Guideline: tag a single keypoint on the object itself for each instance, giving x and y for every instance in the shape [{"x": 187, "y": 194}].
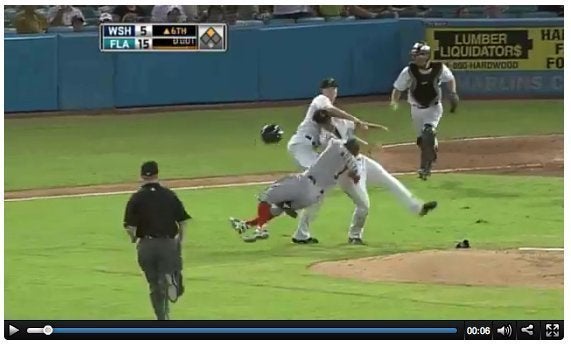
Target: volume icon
[{"x": 505, "y": 330}]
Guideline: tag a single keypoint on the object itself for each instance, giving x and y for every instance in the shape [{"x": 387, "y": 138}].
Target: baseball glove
[{"x": 454, "y": 101}]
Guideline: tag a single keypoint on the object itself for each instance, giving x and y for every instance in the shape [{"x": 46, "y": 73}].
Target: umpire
[{"x": 156, "y": 218}]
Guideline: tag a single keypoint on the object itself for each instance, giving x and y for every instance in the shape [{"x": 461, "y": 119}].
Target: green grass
[
  {"x": 107, "y": 149},
  {"x": 70, "y": 259}
]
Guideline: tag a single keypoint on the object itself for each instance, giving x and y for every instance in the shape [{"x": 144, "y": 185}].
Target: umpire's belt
[
  {"x": 423, "y": 107},
  {"x": 152, "y": 237}
]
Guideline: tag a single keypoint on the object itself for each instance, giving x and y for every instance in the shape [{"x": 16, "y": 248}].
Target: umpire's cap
[
  {"x": 149, "y": 168},
  {"x": 328, "y": 83}
]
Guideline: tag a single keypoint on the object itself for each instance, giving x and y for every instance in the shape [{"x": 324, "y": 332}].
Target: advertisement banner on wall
[{"x": 498, "y": 49}]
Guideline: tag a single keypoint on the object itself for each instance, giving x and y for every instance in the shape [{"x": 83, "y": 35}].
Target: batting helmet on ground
[{"x": 272, "y": 133}]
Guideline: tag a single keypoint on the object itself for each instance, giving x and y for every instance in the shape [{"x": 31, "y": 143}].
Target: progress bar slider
[{"x": 47, "y": 330}]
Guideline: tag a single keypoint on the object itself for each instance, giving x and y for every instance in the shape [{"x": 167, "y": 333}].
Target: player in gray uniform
[
  {"x": 295, "y": 192},
  {"x": 371, "y": 173}
]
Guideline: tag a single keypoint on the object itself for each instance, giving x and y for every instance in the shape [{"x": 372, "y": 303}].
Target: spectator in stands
[
  {"x": 410, "y": 11},
  {"x": 62, "y": 15},
  {"x": 216, "y": 14},
  {"x": 160, "y": 13},
  {"x": 551, "y": 8},
  {"x": 192, "y": 13},
  {"x": 292, "y": 11},
  {"x": 251, "y": 12},
  {"x": 122, "y": 10},
  {"x": 130, "y": 17},
  {"x": 175, "y": 15},
  {"x": 343, "y": 11},
  {"x": 462, "y": 12},
  {"x": 28, "y": 21},
  {"x": 494, "y": 11},
  {"x": 105, "y": 17},
  {"x": 77, "y": 23}
]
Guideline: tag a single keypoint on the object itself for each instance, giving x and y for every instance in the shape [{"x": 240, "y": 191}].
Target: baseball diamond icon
[
  {"x": 552, "y": 330},
  {"x": 211, "y": 38}
]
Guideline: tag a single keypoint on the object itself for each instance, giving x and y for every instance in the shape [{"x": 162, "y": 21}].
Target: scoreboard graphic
[{"x": 163, "y": 37}]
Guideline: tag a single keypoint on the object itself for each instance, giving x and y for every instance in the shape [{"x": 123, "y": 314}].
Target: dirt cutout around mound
[
  {"x": 511, "y": 268},
  {"x": 536, "y": 155}
]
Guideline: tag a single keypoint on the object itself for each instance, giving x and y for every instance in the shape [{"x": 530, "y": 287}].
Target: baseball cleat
[
  {"x": 427, "y": 207},
  {"x": 356, "y": 241},
  {"x": 172, "y": 288},
  {"x": 261, "y": 234},
  {"x": 310, "y": 240},
  {"x": 423, "y": 174},
  {"x": 238, "y": 225}
]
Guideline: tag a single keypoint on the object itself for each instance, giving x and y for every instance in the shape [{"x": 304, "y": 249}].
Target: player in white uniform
[
  {"x": 371, "y": 174},
  {"x": 296, "y": 192},
  {"x": 302, "y": 145},
  {"x": 422, "y": 78}
]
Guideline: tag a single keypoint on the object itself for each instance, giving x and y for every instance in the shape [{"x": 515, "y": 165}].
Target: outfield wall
[{"x": 66, "y": 71}]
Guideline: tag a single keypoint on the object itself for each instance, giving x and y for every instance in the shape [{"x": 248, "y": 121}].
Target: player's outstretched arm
[
  {"x": 376, "y": 126},
  {"x": 339, "y": 113}
]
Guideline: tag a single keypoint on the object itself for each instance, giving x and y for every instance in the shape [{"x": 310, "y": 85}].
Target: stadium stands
[{"x": 264, "y": 17}]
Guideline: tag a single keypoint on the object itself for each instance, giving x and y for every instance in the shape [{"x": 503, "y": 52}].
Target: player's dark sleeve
[
  {"x": 131, "y": 217},
  {"x": 180, "y": 212}
]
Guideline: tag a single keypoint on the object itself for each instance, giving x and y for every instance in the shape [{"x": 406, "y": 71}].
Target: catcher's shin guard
[{"x": 427, "y": 148}]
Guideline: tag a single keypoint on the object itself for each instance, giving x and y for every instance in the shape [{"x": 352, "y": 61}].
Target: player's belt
[{"x": 423, "y": 107}]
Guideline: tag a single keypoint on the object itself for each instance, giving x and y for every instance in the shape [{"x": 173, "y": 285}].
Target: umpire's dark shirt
[{"x": 155, "y": 211}]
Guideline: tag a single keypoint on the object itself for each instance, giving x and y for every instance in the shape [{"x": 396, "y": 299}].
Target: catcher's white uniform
[{"x": 422, "y": 115}]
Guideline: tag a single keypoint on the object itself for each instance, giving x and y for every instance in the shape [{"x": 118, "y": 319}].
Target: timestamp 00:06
[{"x": 478, "y": 330}]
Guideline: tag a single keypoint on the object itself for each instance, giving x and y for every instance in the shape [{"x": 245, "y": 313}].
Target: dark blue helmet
[{"x": 272, "y": 133}]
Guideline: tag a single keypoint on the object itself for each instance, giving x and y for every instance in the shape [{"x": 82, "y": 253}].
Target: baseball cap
[
  {"x": 328, "y": 83},
  {"x": 149, "y": 168},
  {"x": 105, "y": 17}
]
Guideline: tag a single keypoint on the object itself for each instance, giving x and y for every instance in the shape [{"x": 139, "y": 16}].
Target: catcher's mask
[
  {"x": 420, "y": 52},
  {"x": 272, "y": 133}
]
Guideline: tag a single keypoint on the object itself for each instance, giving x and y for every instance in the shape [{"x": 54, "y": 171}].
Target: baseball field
[{"x": 500, "y": 186}]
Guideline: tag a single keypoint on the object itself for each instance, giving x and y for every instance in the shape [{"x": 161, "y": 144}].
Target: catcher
[{"x": 423, "y": 78}]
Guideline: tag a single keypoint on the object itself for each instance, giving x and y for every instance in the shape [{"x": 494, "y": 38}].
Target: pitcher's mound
[{"x": 458, "y": 267}]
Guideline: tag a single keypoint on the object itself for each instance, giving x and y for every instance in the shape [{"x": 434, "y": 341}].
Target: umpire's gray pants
[{"x": 157, "y": 258}]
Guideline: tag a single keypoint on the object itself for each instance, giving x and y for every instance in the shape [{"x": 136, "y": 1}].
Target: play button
[{"x": 12, "y": 330}]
